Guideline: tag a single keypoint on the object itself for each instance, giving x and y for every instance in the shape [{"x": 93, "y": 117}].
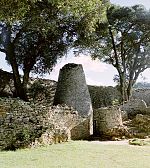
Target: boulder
[{"x": 134, "y": 107}]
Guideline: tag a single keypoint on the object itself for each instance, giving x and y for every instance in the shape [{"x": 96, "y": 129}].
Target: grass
[{"x": 78, "y": 154}]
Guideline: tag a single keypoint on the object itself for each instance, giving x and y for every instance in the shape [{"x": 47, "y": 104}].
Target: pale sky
[{"x": 96, "y": 72}]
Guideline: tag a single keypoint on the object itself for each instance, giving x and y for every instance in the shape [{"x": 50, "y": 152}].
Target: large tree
[
  {"x": 35, "y": 33},
  {"x": 34, "y": 43},
  {"x": 124, "y": 42}
]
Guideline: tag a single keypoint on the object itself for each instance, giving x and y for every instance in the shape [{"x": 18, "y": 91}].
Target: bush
[
  {"x": 103, "y": 96},
  {"x": 38, "y": 91}
]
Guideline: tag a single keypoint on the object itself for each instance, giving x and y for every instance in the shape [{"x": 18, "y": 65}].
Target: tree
[
  {"x": 124, "y": 42},
  {"x": 35, "y": 33},
  {"x": 30, "y": 45}
]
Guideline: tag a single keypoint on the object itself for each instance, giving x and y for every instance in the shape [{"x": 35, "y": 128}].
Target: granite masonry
[
  {"x": 39, "y": 122},
  {"x": 23, "y": 124},
  {"x": 73, "y": 91},
  {"x": 105, "y": 119}
]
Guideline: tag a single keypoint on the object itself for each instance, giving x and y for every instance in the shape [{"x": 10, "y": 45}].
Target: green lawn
[{"x": 78, "y": 154}]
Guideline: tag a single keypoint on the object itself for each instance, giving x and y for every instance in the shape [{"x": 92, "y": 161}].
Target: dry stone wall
[
  {"x": 105, "y": 119},
  {"x": 23, "y": 124},
  {"x": 104, "y": 96},
  {"x": 100, "y": 96},
  {"x": 79, "y": 131},
  {"x": 73, "y": 91}
]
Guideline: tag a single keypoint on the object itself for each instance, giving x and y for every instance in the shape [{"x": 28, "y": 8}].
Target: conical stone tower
[{"x": 73, "y": 91}]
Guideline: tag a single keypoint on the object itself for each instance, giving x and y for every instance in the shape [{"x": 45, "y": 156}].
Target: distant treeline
[{"x": 143, "y": 85}]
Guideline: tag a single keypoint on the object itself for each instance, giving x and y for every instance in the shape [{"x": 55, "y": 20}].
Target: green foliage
[
  {"x": 38, "y": 32},
  {"x": 139, "y": 142},
  {"x": 123, "y": 41},
  {"x": 38, "y": 41},
  {"x": 37, "y": 88},
  {"x": 104, "y": 96},
  {"x": 13, "y": 10},
  {"x": 21, "y": 138}
]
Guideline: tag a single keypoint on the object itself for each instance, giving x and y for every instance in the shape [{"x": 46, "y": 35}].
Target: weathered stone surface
[
  {"x": 42, "y": 91},
  {"x": 106, "y": 119},
  {"x": 135, "y": 106},
  {"x": 124, "y": 115},
  {"x": 73, "y": 91},
  {"x": 24, "y": 124},
  {"x": 142, "y": 94},
  {"x": 6, "y": 83},
  {"x": 80, "y": 131},
  {"x": 118, "y": 133}
]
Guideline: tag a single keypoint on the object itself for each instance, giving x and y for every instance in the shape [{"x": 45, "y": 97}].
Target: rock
[
  {"x": 124, "y": 115},
  {"x": 139, "y": 126},
  {"x": 133, "y": 107},
  {"x": 142, "y": 94}
]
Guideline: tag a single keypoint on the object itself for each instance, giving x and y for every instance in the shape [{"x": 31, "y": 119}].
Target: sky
[{"x": 96, "y": 72}]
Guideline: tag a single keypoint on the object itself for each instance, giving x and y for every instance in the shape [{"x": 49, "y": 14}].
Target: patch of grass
[{"x": 78, "y": 154}]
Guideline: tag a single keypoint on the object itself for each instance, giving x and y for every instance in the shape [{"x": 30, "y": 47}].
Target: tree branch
[
  {"x": 114, "y": 47},
  {"x": 2, "y": 50}
]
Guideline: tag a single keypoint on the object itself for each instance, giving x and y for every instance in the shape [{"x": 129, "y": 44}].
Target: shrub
[
  {"x": 38, "y": 91},
  {"x": 103, "y": 96}
]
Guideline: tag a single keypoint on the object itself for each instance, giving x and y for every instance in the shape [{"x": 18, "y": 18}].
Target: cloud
[
  {"x": 96, "y": 72},
  {"x": 90, "y": 67},
  {"x": 89, "y": 64},
  {"x": 93, "y": 82},
  {"x": 86, "y": 61}
]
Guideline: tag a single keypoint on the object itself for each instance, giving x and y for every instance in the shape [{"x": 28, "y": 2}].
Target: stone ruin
[
  {"x": 105, "y": 119},
  {"x": 24, "y": 124},
  {"x": 73, "y": 91},
  {"x": 130, "y": 120},
  {"x": 72, "y": 116},
  {"x": 108, "y": 124},
  {"x": 138, "y": 114}
]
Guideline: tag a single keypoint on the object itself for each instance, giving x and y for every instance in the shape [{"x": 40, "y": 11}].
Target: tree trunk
[
  {"x": 129, "y": 89},
  {"x": 25, "y": 80},
  {"x": 19, "y": 89},
  {"x": 123, "y": 90},
  {"x": 130, "y": 84}
]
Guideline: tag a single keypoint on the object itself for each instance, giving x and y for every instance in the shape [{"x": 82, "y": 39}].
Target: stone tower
[{"x": 73, "y": 90}]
